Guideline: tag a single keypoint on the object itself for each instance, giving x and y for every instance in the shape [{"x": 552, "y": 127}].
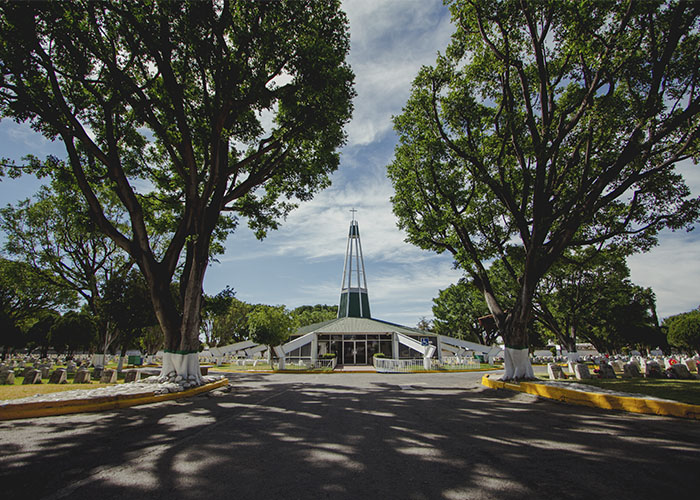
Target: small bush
[
  {"x": 379, "y": 355},
  {"x": 328, "y": 355}
]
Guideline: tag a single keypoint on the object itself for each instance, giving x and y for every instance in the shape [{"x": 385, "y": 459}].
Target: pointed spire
[{"x": 354, "y": 300}]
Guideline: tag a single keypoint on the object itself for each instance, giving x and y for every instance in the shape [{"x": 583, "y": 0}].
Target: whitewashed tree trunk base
[
  {"x": 517, "y": 364},
  {"x": 185, "y": 366}
]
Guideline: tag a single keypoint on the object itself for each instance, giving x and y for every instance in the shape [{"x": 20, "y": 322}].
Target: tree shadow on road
[{"x": 287, "y": 438}]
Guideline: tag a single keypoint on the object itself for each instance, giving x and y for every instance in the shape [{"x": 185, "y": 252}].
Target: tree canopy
[
  {"x": 549, "y": 126},
  {"x": 189, "y": 112},
  {"x": 684, "y": 330},
  {"x": 53, "y": 233}
]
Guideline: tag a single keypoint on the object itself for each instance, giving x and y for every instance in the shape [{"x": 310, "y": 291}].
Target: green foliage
[
  {"x": 457, "y": 309},
  {"x": 126, "y": 302},
  {"x": 73, "y": 330},
  {"x": 24, "y": 294},
  {"x": 232, "y": 326},
  {"x": 38, "y": 333},
  {"x": 546, "y": 127},
  {"x": 54, "y": 234},
  {"x": 269, "y": 325},
  {"x": 588, "y": 296},
  {"x": 308, "y": 315},
  {"x": 215, "y": 308},
  {"x": 684, "y": 330},
  {"x": 188, "y": 113}
]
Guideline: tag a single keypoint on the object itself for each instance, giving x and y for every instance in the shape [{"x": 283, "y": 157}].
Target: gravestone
[
  {"x": 71, "y": 367},
  {"x": 109, "y": 377},
  {"x": 59, "y": 376},
  {"x": 555, "y": 371},
  {"x": 617, "y": 365},
  {"x": 606, "y": 371},
  {"x": 97, "y": 372},
  {"x": 27, "y": 370},
  {"x": 581, "y": 371},
  {"x": 132, "y": 376},
  {"x": 32, "y": 377},
  {"x": 7, "y": 377},
  {"x": 82, "y": 377},
  {"x": 691, "y": 364},
  {"x": 652, "y": 369},
  {"x": 681, "y": 371},
  {"x": 45, "y": 372},
  {"x": 204, "y": 370},
  {"x": 630, "y": 370}
]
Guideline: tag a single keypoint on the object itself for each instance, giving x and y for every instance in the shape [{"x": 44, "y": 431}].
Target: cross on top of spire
[{"x": 353, "y": 213}]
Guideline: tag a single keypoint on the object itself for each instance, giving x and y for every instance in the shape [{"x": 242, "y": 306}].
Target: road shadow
[{"x": 290, "y": 437}]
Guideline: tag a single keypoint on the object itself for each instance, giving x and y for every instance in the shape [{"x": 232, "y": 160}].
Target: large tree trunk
[
  {"x": 517, "y": 356},
  {"x": 181, "y": 330}
]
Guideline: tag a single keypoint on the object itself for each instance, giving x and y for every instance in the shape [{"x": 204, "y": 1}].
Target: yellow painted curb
[
  {"x": 600, "y": 400},
  {"x": 52, "y": 408}
]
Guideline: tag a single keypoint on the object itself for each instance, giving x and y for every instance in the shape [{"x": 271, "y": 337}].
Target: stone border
[
  {"x": 52, "y": 408},
  {"x": 600, "y": 400}
]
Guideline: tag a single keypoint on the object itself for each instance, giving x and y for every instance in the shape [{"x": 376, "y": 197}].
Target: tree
[
  {"x": 55, "y": 235},
  {"x": 549, "y": 126},
  {"x": 38, "y": 332},
  {"x": 308, "y": 315},
  {"x": 233, "y": 325},
  {"x": 425, "y": 324},
  {"x": 25, "y": 294},
  {"x": 72, "y": 331},
  {"x": 269, "y": 326},
  {"x": 126, "y": 303},
  {"x": 215, "y": 307},
  {"x": 684, "y": 330},
  {"x": 187, "y": 111},
  {"x": 457, "y": 310}
]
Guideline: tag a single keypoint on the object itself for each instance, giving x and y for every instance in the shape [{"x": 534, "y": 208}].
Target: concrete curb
[
  {"x": 52, "y": 408},
  {"x": 600, "y": 400}
]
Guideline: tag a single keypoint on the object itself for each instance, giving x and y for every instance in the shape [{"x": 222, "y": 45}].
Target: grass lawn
[
  {"x": 22, "y": 391},
  {"x": 685, "y": 391},
  {"x": 18, "y": 390}
]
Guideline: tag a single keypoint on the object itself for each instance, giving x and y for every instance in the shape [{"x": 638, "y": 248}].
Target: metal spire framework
[{"x": 354, "y": 300}]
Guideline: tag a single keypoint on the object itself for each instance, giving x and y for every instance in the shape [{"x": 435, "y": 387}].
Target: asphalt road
[{"x": 359, "y": 436}]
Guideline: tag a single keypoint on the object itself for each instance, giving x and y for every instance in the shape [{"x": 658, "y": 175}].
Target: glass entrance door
[
  {"x": 360, "y": 352},
  {"x": 354, "y": 352}
]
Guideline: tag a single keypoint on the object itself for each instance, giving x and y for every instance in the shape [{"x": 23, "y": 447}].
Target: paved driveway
[{"x": 360, "y": 436}]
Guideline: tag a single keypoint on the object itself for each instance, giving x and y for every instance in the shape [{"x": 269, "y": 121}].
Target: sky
[{"x": 302, "y": 262}]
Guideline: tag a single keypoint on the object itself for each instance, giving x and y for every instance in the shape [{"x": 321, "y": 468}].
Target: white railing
[
  {"x": 309, "y": 364},
  {"x": 387, "y": 365},
  {"x": 459, "y": 363},
  {"x": 326, "y": 363}
]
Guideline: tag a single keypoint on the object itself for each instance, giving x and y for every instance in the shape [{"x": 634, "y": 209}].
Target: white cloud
[
  {"x": 390, "y": 40},
  {"x": 671, "y": 270}
]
